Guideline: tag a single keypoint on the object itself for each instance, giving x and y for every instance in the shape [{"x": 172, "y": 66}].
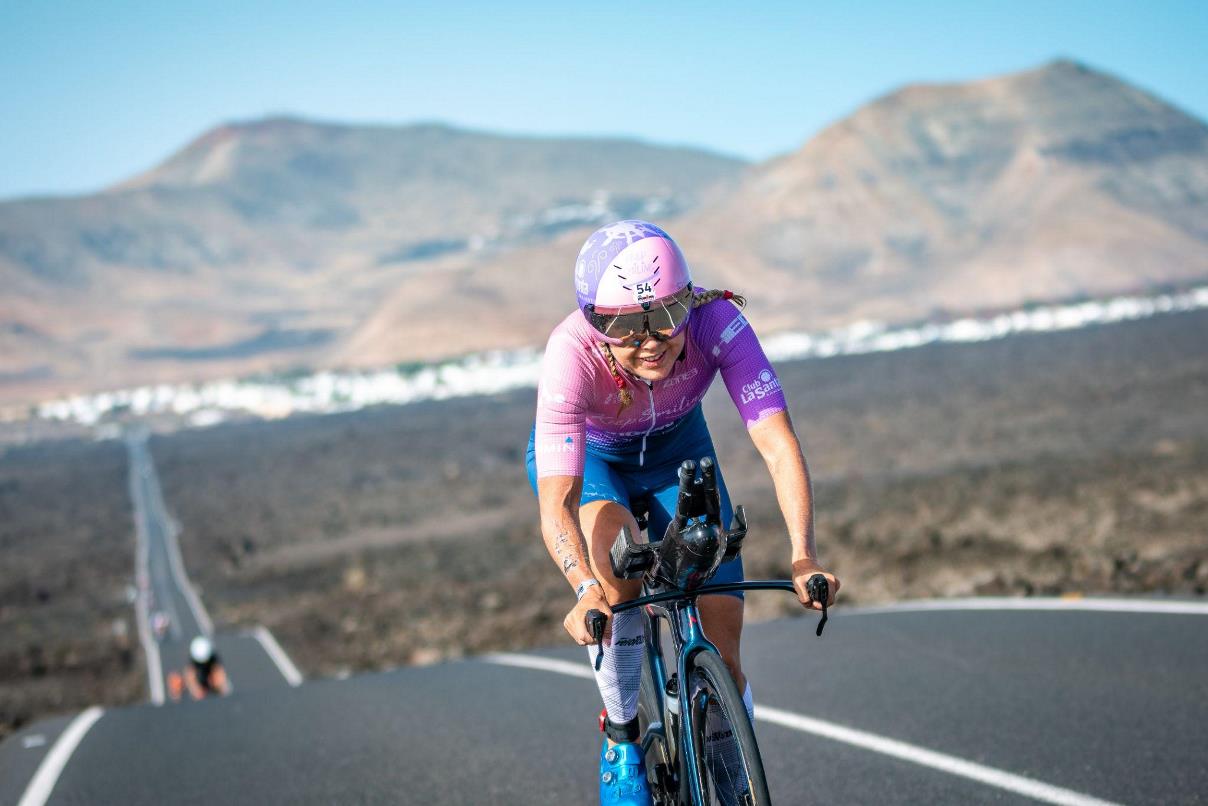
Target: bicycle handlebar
[
  {"x": 596, "y": 621},
  {"x": 816, "y": 587},
  {"x": 819, "y": 591}
]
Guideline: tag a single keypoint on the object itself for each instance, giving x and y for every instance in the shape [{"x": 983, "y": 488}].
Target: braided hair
[{"x": 703, "y": 298}]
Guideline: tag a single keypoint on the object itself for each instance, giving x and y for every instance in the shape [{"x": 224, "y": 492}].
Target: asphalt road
[
  {"x": 1110, "y": 705},
  {"x": 1066, "y": 705},
  {"x": 165, "y": 588},
  {"x": 252, "y": 659}
]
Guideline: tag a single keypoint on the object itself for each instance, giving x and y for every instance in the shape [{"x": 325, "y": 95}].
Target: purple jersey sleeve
[
  {"x": 745, "y": 369},
  {"x": 562, "y": 404}
]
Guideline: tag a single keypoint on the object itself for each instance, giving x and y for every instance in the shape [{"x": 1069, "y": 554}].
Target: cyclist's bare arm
[
  {"x": 558, "y": 498},
  {"x": 777, "y": 443}
]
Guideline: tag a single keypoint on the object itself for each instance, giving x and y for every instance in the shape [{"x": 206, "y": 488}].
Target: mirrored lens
[
  {"x": 664, "y": 316},
  {"x": 630, "y": 324}
]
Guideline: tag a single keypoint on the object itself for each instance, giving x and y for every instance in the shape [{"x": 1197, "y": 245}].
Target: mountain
[
  {"x": 282, "y": 242},
  {"x": 259, "y": 244},
  {"x": 1055, "y": 183}
]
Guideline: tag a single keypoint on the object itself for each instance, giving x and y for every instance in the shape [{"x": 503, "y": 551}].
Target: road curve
[{"x": 1104, "y": 705}]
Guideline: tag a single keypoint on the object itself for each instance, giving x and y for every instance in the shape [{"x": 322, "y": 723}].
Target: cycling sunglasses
[{"x": 664, "y": 320}]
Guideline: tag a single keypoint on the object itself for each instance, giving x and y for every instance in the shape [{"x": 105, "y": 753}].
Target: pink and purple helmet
[{"x": 631, "y": 277}]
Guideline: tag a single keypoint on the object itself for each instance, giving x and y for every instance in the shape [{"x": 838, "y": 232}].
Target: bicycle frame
[
  {"x": 690, "y": 552},
  {"x": 678, "y": 609}
]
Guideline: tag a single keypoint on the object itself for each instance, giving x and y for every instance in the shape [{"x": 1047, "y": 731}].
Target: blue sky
[{"x": 91, "y": 93}]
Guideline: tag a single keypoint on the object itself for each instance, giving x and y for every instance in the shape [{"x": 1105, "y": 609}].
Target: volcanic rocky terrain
[{"x": 1044, "y": 464}]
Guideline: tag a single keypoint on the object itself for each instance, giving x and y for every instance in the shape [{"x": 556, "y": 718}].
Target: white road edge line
[
  {"x": 44, "y": 780},
  {"x": 155, "y": 666},
  {"x": 288, "y": 670},
  {"x": 543, "y": 664},
  {"x": 1169, "y": 607},
  {"x": 858, "y": 738},
  {"x": 943, "y": 762},
  {"x": 172, "y": 529},
  {"x": 142, "y": 581}
]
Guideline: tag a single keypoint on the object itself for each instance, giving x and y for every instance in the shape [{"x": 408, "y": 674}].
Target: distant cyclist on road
[
  {"x": 160, "y": 624},
  {"x": 618, "y": 409},
  {"x": 205, "y": 675}
]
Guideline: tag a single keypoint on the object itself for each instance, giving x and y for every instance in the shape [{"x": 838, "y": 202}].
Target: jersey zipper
[{"x": 653, "y": 415}]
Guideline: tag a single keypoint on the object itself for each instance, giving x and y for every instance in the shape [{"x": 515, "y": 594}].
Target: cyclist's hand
[
  {"x": 576, "y": 620},
  {"x": 802, "y": 571}
]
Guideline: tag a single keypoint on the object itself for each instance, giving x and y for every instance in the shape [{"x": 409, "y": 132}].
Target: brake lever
[
  {"x": 596, "y": 621},
  {"x": 819, "y": 591}
]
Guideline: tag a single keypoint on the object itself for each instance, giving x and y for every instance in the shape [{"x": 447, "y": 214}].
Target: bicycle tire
[{"x": 711, "y": 682}]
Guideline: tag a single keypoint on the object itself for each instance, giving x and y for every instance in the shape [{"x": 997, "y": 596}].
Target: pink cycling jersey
[{"x": 578, "y": 401}]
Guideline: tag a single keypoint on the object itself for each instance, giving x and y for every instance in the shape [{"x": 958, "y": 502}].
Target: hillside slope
[
  {"x": 261, "y": 243},
  {"x": 1051, "y": 184}
]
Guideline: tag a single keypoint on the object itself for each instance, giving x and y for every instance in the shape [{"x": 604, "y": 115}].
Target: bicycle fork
[{"x": 688, "y": 639}]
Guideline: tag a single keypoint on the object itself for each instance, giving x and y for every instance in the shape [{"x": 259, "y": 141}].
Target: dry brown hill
[
  {"x": 1050, "y": 184},
  {"x": 260, "y": 244},
  {"x": 282, "y": 242},
  {"x": 1057, "y": 182}
]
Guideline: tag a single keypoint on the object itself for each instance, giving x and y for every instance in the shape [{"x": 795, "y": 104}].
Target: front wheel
[{"x": 728, "y": 766}]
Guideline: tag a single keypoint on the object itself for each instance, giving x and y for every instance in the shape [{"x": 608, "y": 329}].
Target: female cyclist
[{"x": 618, "y": 409}]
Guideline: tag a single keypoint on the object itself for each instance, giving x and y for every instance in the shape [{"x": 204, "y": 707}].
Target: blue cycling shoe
[{"x": 623, "y": 775}]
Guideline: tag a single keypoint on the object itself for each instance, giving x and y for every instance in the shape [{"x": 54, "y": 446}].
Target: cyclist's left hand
[{"x": 802, "y": 571}]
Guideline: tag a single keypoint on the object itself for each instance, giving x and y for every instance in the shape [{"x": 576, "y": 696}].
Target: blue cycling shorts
[{"x": 626, "y": 473}]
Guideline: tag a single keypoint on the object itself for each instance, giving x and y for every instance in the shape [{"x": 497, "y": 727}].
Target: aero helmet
[
  {"x": 201, "y": 650},
  {"x": 630, "y": 278}
]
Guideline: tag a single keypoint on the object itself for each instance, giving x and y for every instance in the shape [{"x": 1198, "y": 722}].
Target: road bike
[{"x": 674, "y": 709}]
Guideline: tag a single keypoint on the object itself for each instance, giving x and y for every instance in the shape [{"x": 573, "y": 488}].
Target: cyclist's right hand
[{"x": 576, "y": 620}]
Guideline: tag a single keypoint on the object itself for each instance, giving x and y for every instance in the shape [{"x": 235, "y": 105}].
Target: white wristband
[{"x": 584, "y": 585}]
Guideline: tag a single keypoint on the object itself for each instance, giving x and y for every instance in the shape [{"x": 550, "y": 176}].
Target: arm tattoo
[
  {"x": 563, "y": 553},
  {"x": 561, "y": 548}
]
